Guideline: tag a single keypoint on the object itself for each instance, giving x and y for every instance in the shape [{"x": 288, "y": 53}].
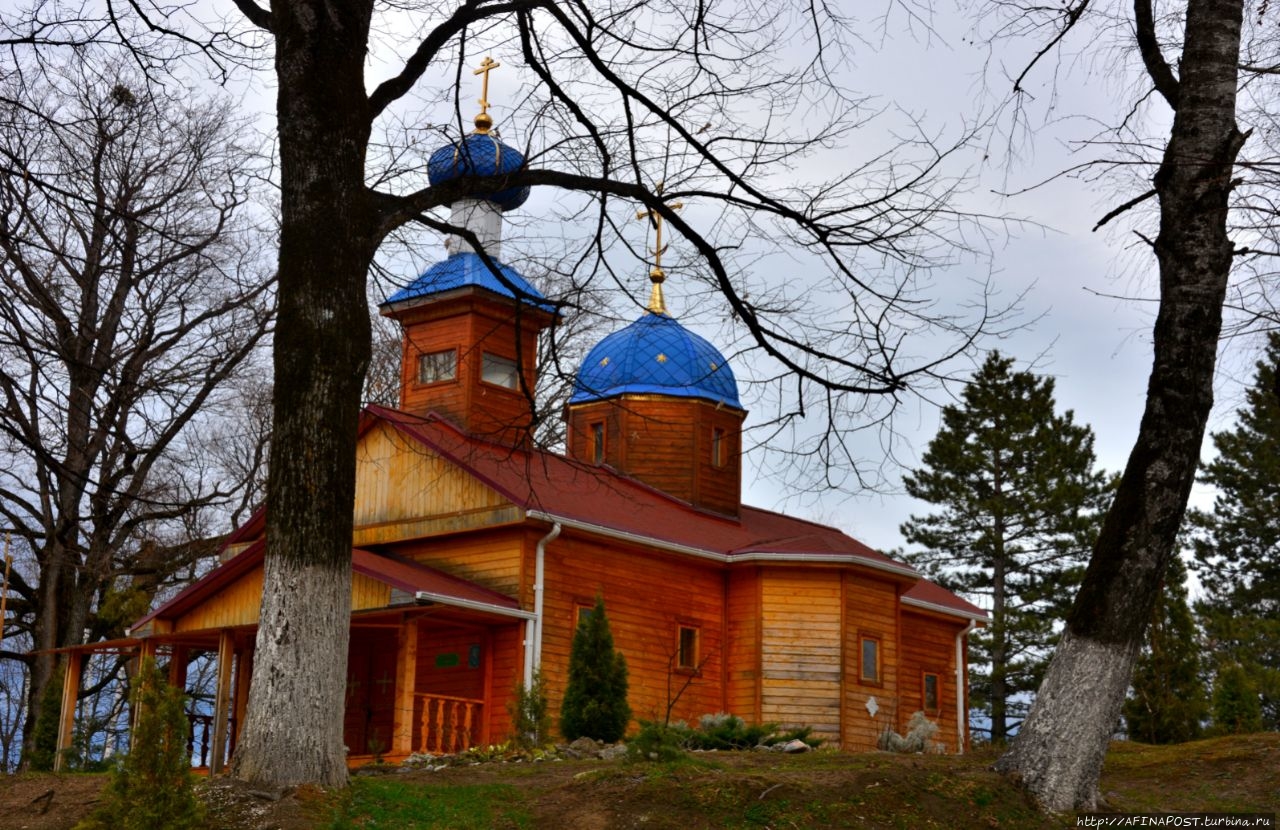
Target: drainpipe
[
  {"x": 533, "y": 632},
  {"x": 962, "y": 687}
]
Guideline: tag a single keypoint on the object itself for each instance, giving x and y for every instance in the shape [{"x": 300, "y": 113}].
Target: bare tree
[
  {"x": 1059, "y": 751},
  {"x": 129, "y": 294},
  {"x": 621, "y": 96}
]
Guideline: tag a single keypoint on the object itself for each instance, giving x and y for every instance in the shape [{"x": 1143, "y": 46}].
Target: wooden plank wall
[
  {"x": 800, "y": 649},
  {"x": 494, "y": 560},
  {"x": 240, "y": 602},
  {"x": 872, "y": 609},
  {"x": 929, "y": 645},
  {"x": 742, "y": 650},
  {"x": 647, "y": 597},
  {"x": 237, "y": 604},
  {"x": 400, "y": 481}
]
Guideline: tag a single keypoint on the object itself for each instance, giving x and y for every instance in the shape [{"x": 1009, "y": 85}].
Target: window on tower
[
  {"x": 500, "y": 371},
  {"x": 438, "y": 366},
  {"x": 597, "y": 442},
  {"x": 717, "y": 447}
]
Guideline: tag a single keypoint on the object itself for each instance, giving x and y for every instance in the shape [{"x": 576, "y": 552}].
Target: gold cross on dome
[
  {"x": 484, "y": 122},
  {"x": 656, "y": 275}
]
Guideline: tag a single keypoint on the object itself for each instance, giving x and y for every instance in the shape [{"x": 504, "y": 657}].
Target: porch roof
[{"x": 420, "y": 581}]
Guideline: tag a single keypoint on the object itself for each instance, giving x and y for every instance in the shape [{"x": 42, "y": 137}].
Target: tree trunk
[
  {"x": 1059, "y": 751},
  {"x": 293, "y": 730}
]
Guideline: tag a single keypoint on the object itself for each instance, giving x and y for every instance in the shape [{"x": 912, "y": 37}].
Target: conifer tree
[
  {"x": 595, "y": 699},
  {"x": 152, "y": 788},
  {"x": 1168, "y": 703},
  {"x": 1237, "y": 545},
  {"x": 1237, "y": 709},
  {"x": 1020, "y": 499}
]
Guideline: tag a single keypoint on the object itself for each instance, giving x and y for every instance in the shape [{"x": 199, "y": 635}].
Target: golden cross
[
  {"x": 484, "y": 122},
  {"x": 656, "y": 274}
]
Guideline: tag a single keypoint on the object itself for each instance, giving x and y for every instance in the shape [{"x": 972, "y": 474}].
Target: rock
[
  {"x": 612, "y": 753},
  {"x": 585, "y": 745},
  {"x": 795, "y": 745}
]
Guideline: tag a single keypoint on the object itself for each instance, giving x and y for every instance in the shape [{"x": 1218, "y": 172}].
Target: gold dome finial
[
  {"x": 657, "y": 276},
  {"x": 484, "y": 121}
]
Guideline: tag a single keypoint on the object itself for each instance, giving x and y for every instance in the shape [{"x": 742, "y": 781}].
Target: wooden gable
[{"x": 405, "y": 490}]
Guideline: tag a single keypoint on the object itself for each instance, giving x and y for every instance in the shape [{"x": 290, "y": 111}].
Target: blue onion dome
[
  {"x": 479, "y": 154},
  {"x": 655, "y": 355},
  {"x": 466, "y": 269}
]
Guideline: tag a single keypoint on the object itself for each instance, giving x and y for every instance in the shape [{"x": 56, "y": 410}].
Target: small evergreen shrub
[
  {"x": 530, "y": 714},
  {"x": 725, "y": 731},
  {"x": 721, "y": 731},
  {"x": 660, "y": 742},
  {"x": 595, "y": 699},
  {"x": 919, "y": 737},
  {"x": 151, "y": 788},
  {"x": 44, "y": 737}
]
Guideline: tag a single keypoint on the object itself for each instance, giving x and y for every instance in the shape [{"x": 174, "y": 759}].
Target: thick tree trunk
[
  {"x": 293, "y": 730},
  {"x": 1058, "y": 752}
]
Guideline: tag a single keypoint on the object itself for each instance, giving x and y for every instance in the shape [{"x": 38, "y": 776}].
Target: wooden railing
[
  {"x": 200, "y": 737},
  {"x": 448, "y": 724}
]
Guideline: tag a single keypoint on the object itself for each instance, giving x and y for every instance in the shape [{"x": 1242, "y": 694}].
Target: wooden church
[{"x": 475, "y": 554}]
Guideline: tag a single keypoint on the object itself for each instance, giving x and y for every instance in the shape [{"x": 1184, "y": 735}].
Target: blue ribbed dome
[
  {"x": 467, "y": 269},
  {"x": 479, "y": 154},
  {"x": 655, "y": 355}
]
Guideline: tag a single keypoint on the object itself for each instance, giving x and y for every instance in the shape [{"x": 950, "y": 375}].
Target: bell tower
[{"x": 470, "y": 323}]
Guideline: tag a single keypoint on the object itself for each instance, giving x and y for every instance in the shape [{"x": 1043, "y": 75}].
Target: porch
[{"x": 432, "y": 657}]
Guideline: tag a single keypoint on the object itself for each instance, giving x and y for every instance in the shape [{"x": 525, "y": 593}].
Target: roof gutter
[
  {"x": 472, "y": 605},
  {"x": 962, "y": 687},
  {"x": 533, "y": 655},
  {"x": 944, "y": 609},
  {"x": 716, "y": 556}
]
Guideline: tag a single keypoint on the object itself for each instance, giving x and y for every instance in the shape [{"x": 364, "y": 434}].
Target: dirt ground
[{"x": 741, "y": 789}]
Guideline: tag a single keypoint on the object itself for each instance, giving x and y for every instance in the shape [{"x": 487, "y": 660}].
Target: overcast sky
[{"x": 1084, "y": 318}]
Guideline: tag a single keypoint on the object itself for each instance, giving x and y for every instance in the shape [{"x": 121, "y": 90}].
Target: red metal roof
[
  {"x": 603, "y": 498},
  {"x": 414, "y": 578},
  {"x": 410, "y": 577},
  {"x": 930, "y": 595}
]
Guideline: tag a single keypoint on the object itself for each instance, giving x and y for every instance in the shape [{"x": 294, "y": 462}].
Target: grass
[{"x": 391, "y": 804}]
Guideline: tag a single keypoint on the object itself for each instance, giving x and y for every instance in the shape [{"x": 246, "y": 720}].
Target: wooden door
[{"x": 371, "y": 692}]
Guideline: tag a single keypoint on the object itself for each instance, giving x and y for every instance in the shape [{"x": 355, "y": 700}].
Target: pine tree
[
  {"x": 595, "y": 700},
  {"x": 1168, "y": 703},
  {"x": 1237, "y": 545},
  {"x": 152, "y": 788},
  {"x": 1237, "y": 709},
  {"x": 1020, "y": 499}
]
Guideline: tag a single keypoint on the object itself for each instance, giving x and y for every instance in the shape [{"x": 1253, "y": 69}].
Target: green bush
[
  {"x": 661, "y": 742},
  {"x": 725, "y": 731},
  {"x": 595, "y": 699},
  {"x": 44, "y": 737},
  {"x": 151, "y": 788},
  {"x": 530, "y": 714}
]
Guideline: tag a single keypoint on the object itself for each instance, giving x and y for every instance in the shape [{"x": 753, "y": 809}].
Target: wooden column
[
  {"x": 486, "y": 643},
  {"x": 244, "y": 676},
  {"x": 67, "y": 715},
  {"x": 222, "y": 702},
  {"x": 179, "y": 656},
  {"x": 406, "y": 685}
]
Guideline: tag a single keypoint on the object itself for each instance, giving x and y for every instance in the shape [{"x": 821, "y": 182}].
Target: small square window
[
  {"x": 583, "y": 614},
  {"x": 687, "y": 648},
  {"x": 870, "y": 669},
  {"x": 500, "y": 371},
  {"x": 437, "y": 366},
  {"x": 930, "y": 692}
]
